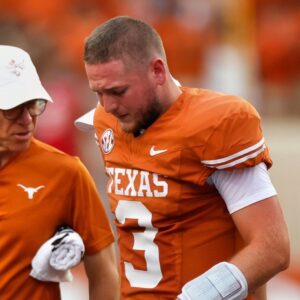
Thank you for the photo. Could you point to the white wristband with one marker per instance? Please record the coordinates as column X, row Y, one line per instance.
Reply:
column 223, row 281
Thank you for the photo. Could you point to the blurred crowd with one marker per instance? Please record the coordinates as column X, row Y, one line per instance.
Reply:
column 250, row 48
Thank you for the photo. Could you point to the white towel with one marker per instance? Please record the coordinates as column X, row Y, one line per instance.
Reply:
column 56, row 256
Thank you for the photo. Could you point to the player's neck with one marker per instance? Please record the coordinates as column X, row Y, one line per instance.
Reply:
column 170, row 95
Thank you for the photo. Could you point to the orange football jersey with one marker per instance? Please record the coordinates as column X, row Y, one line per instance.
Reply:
column 41, row 189
column 172, row 226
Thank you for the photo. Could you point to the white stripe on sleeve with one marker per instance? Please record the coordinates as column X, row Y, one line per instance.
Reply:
column 237, row 157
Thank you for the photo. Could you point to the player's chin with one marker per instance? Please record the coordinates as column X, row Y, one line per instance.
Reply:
column 129, row 127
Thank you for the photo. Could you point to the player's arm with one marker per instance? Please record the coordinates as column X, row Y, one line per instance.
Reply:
column 102, row 273
column 251, row 199
column 236, row 152
column 265, row 234
column 260, row 293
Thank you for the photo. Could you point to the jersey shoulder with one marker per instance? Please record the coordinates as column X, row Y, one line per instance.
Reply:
column 211, row 109
column 227, row 129
column 203, row 112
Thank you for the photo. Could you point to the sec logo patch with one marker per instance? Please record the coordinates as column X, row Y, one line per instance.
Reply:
column 107, row 141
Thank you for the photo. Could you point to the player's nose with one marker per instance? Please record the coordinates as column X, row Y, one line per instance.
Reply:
column 109, row 103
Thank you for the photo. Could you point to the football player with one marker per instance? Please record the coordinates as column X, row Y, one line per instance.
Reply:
column 195, row 210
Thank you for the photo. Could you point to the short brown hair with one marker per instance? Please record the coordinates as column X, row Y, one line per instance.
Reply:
column 123, row 37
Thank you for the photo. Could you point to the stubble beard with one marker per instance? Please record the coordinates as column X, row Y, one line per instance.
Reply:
column 145, row 118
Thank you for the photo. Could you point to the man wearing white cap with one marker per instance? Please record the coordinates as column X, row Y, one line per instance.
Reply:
column 42, row 188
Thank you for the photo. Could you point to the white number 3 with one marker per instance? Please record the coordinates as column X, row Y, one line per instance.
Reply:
column 142, row 241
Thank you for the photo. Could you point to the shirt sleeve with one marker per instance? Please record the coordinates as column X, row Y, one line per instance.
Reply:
column 88, row 216
column 236, row 140
column 243, row 187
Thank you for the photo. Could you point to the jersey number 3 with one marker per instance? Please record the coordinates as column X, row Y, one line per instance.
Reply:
column 142, row 241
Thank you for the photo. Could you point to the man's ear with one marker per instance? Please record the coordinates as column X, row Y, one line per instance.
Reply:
column 158, row 70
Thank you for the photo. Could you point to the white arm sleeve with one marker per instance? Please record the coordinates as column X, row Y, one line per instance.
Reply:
column 242, row 187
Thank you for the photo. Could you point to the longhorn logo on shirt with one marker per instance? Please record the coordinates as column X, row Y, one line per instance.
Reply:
column 107, row 141
column 30, row 190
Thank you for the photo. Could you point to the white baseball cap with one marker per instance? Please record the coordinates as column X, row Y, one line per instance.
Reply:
column 19, row 81
column 86, row 121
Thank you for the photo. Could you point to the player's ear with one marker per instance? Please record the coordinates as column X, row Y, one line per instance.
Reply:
column 158, row 70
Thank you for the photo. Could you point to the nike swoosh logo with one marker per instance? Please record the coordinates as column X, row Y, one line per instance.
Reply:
column 154, row 152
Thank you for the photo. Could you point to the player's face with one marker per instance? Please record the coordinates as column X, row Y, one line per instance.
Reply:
column 15, row 134
column 128, row 94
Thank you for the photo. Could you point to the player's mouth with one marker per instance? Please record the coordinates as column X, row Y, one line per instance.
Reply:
column 123, row 118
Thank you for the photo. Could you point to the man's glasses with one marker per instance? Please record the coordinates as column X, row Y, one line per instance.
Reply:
column 34, row 108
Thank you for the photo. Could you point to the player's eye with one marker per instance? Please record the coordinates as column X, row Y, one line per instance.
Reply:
column 118, row 92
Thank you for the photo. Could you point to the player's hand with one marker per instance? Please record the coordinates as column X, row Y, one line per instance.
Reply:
column 222, row 281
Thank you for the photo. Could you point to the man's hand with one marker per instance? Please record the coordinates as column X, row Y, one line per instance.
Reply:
column 56, row 256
